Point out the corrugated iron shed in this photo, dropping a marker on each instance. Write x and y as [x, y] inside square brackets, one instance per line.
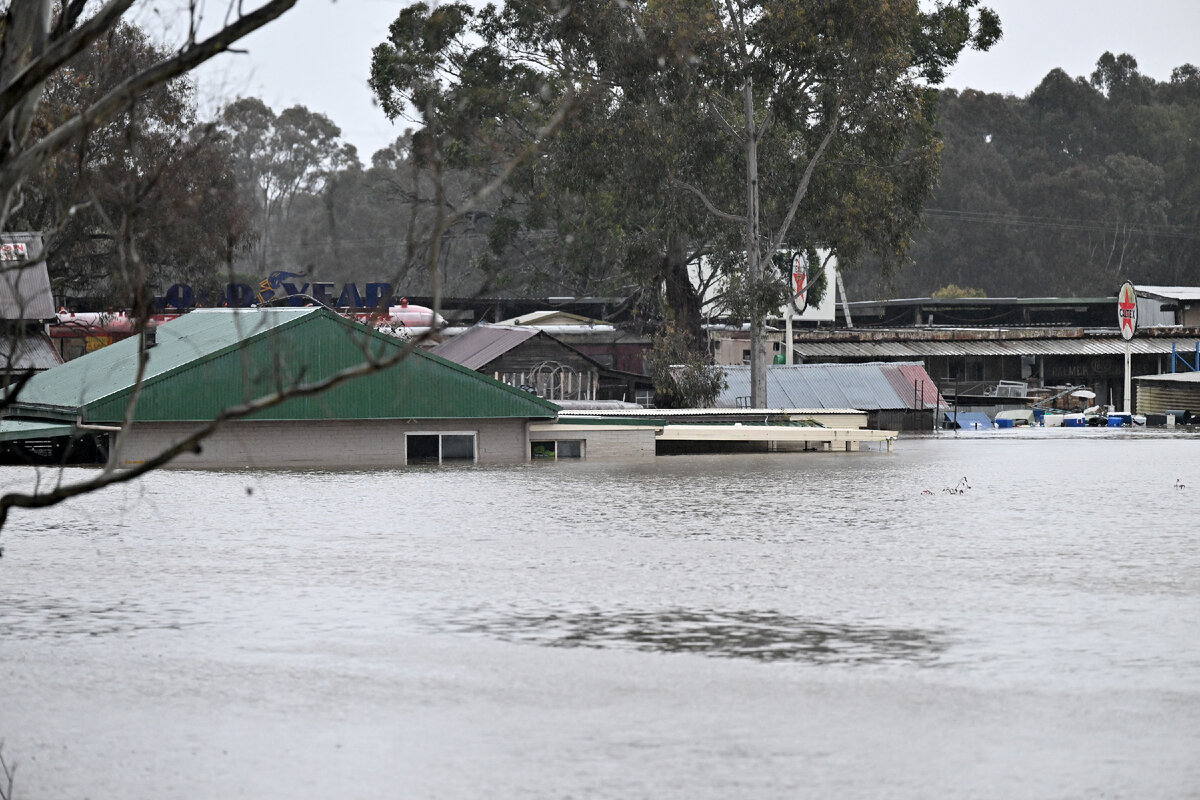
[25, 284]
[867, 387]
[210, 360]
[483, 344]
[22, 351]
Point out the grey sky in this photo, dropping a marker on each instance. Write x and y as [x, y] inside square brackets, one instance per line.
[318, 54]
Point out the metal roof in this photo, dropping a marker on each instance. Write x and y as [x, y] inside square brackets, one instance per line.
[17, 429]
[984, 301]
[25, 285]
[483, 344]
[868, 387]
[1169, 292]
[210, 360]
[22, 351]
[913, 349]
[1172, 377]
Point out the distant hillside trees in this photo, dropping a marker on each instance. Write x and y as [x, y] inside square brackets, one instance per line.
[150, 179]
[1081, 185]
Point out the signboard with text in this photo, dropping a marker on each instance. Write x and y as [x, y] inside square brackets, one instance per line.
[1127, 310]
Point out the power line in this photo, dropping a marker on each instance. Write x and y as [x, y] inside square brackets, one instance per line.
[1061, 223]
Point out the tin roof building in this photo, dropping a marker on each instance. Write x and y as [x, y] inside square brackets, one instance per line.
[893, 394]
[26, 303]
[423, 408]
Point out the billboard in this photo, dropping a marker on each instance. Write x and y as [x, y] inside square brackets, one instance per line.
[803, 277]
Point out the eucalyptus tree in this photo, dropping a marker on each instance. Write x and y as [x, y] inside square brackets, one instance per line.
[801, 80]
[154, 156]
[477, 110]
[37, 40]
[279, 158]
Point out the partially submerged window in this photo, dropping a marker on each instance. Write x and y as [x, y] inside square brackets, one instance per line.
[434, 448]
[556, 449]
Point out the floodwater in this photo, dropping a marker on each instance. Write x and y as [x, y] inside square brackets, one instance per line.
[775, 626]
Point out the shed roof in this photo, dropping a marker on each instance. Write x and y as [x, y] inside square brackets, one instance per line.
[916, 348]
[483, 344]
[552, 317]
[210, 360]
[868, 387]
[1172, 377]
[25, 283]
[23, 350]
[1169, 292]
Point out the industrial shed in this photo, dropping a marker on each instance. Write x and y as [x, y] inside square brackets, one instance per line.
[422, 409]
[527, 357]
[26, 303]
[1172, 392]
[896, 396]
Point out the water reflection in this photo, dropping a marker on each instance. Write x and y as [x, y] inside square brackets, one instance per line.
[42, 617]
[757, 635]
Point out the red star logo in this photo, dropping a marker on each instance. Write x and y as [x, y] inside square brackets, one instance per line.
[1127, 305]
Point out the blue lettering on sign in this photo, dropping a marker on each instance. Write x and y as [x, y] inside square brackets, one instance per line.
[240, 295]
[321, 292]
[350, 297]
[378, 295]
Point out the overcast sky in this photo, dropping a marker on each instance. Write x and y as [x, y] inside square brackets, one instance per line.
[318, 54]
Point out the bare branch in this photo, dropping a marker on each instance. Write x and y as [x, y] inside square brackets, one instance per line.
[124, 94]
[708, 203]
[61, 51]
[802, 189]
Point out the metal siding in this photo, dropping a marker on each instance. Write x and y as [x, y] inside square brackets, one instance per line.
[828, 386]
[913, 381]
[29, 351]
[25, 286]
[422, 386]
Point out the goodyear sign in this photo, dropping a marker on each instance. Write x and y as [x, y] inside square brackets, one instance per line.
[279, 285]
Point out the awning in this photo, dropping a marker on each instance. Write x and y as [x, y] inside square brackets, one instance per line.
[12, 430]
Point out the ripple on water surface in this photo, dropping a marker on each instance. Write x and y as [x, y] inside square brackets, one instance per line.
[756, 635]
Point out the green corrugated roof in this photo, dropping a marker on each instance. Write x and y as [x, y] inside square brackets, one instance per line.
[16, 429]
[209, 360]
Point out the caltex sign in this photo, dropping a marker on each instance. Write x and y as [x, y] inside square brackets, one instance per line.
[1127, 310]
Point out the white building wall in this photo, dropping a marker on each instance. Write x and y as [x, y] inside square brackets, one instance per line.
[323, 443]
[600, 441]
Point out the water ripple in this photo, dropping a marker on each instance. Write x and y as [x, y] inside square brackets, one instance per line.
[50, 617]
[756, 635]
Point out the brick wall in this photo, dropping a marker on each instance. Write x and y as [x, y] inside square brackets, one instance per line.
[330, 443]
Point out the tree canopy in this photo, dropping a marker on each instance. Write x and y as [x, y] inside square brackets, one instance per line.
[1071, 190]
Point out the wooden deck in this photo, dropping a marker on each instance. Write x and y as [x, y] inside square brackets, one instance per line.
[777, 437]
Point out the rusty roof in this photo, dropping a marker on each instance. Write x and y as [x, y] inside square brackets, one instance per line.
[483, 344]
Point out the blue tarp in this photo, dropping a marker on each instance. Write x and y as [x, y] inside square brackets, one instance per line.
[970, 420]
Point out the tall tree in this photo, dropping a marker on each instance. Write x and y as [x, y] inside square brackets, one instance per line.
[153, 158]
[278, 159]
[798, 77]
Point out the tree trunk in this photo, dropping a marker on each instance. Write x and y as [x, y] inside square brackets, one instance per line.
[680, 296]
[758, 345]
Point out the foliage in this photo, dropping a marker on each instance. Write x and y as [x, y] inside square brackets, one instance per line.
[952, 291]
[152, 160]
[280, 159]
[683, 377]
[1071, 190]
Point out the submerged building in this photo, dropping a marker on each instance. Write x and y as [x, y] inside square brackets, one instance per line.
[420, 409]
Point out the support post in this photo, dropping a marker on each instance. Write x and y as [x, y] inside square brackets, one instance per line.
[1128, 378]
[787, 335]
